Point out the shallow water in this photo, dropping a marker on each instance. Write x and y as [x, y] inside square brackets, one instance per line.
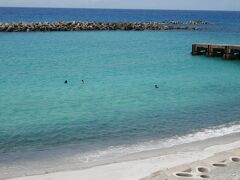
[118, 105]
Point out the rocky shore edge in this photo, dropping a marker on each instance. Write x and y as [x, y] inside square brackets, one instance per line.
[99, 26]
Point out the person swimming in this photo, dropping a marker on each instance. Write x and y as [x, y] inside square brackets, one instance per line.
[82, 81]
[156, 86]
[65, 82]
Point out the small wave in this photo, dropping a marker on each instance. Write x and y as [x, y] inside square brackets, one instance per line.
[118, 151]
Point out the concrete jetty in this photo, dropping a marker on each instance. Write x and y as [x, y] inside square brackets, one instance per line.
[99, 26]
[227, 51]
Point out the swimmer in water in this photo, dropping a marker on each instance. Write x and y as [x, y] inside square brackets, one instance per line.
[65, 82]
[156, 86]
[82, 81]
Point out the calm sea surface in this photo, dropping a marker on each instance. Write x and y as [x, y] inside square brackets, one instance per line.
[118, 106]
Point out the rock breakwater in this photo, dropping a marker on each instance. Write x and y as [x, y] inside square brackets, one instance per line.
[98, 26]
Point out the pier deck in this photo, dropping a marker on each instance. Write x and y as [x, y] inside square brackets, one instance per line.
[227, 51]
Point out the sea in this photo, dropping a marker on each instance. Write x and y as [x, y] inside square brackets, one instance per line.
[117, 111]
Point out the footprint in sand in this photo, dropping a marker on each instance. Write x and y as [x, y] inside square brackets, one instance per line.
[235, 159]
[219, 164]
[184, 174]
[204, 176]
[201, 172]
[202, 169]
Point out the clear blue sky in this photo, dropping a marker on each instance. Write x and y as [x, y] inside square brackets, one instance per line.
[130, 4]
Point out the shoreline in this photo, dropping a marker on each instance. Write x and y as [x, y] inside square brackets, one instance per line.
[143, 164]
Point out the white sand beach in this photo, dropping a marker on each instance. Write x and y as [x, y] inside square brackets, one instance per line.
[159, 164]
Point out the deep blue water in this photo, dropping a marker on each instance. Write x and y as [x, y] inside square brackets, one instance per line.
[50, 14]
[118, 104]
[222, 20]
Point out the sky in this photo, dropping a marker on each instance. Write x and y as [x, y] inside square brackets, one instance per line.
[232, 5]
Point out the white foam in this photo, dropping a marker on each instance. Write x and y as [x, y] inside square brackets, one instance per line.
[118, 151]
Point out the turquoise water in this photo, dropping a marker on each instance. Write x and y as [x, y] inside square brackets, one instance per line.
[118, 103]
[117, 111]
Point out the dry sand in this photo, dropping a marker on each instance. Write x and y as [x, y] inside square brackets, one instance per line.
[222, 166]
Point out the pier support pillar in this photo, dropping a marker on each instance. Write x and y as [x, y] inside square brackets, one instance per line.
[210, 50]
[227, 54]
[194, 49]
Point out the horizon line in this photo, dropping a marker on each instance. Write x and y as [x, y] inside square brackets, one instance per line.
[221, 10]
